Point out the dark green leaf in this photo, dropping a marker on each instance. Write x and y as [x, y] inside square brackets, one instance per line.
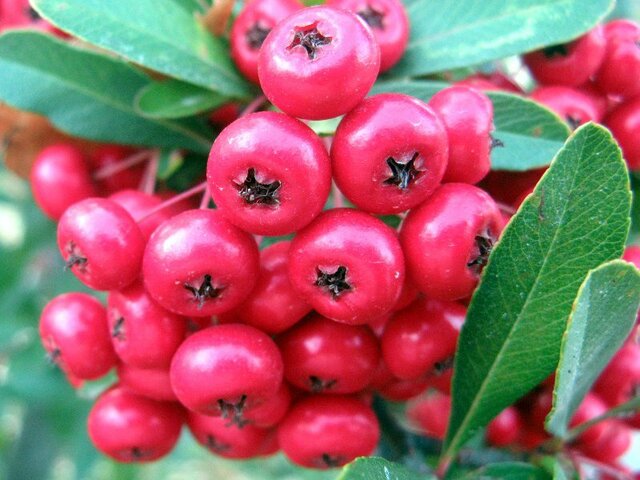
[510, 470]
[169, 163]
[576, 219]
[455, 33]
[84, 93]
[635, 208]
[376, 468]
[176, 99]
[163, 36]
[531, 133]
[603, 314]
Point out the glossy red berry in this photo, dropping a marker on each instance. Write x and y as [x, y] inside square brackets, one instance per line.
[59, 178]
[272, 410]
[447, 240]
[198, 264]
[225, 114]
[611, 445]
[227, 440]
[144, 335]
[273, 305]
[395, 389]
[251, 27]
[269, 174]
[592, 406]
[131, 428]
[389, 153]
[430, 414]
[20, 14]
[624, 123]
[572, 105]
[347, 265]
[507, 187]
[152, 383]
[74, 332]
[570, 64]
[632, 255]
[421, 338]
[620, 69]
[496, 81]
[328, 431]
[467, 115]
[225, 370]
[318, 63]
[323, 356]
[388, 22]
[101, 244]
[505, 429]
[620, 381]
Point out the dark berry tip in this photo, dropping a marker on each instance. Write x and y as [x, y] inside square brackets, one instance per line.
[573, 121]
[255, 36]
[552, 51]
[32, 14]
[402, 174]
[205, 291]
[75, 258]
[335, 283]
[117, 331]
[484, 245]
[372, 17]
[331, 461]
[309, 38]
[318, 385]
[256, 193]
[234, 411]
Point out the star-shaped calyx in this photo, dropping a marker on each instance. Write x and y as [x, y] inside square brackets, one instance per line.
[402, 174]
[205, 291]
[484, 245]
[372, 16]
[254, 192]
[309, 38]
[255, 36]
[335, 282]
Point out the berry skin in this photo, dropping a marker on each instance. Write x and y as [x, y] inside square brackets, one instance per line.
[570, 64]
[620, 381]
[318, 63]
[269, 174]
[251, 27]
[624, 123]
[611, 445]
[225, 370]
[431, 414]
[505, 429]
[272, 410]
[153, 383]
[347, 265]
[107, 155]
[620, 69]
[198, 264]
[447, 240]
[59, 178]
[632, 255]
[388, 22]
[590, 407]
[225, 440]
[572, 105]
[467, 115]
[273, 305]
[74, 332]
[391, 388]
[496, 81]
[131, 428]
[101, 244]
[419, 337]
[389, 153]
[323, 356]
[144, 335]
[325, 431]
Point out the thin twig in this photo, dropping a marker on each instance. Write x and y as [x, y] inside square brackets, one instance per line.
[175, 199]
[123, 164]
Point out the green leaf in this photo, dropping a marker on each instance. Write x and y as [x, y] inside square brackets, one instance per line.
[170, 162]
[510, 470]
[163, 36]
[576, 219]
[610, 292]
[457, 33]
[84, 93]
[635, 208]
[531, 133]
[376, 468]
[176, 99]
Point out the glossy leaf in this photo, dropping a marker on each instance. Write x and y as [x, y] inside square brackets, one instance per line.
[377, 468]
[576, 219]
[85, 94]
[531, 133]
[603, 315]
[455, 33]
[176, 99]
[162, 36]
[510, 470]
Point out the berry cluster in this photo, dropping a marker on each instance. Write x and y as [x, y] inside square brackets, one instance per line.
[260, 350]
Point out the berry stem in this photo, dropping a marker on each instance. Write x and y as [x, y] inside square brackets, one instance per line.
[338, 198]
[123, 164]
[206, 198]
[254, 106]
[201, 187]
[148, 182]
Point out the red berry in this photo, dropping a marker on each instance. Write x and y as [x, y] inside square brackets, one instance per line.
[388, 22]
[74, 332]
[152, 383]
[101, 244]
[347, 265]
[496, 81]
[59, 178]
[107, 155]
[570, 64]
[225, 370]
[328, 431]
[389, 153]
[197, 264]
[467, 115]
[620, 381]
[590, 407]
[620, 69]
[269, 173]
[323, 356]
[421, 337]
[318, 63]
[632, 255]
[572, 105]
[131, 428]
[447, 240]
[431, 414]
[144, 335]
[610, 446]
[624, 123]
[227, 440]
[505, 429]
[251, 27]
[272, 410]
[507, 187]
